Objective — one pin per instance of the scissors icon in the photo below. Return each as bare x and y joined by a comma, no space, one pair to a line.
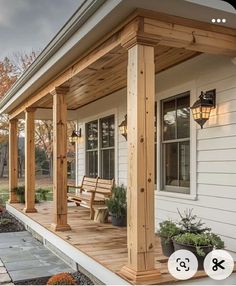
217,264
182,264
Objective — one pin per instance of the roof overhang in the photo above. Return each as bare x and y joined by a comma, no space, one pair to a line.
92,21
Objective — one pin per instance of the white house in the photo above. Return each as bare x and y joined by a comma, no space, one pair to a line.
172,51
209,161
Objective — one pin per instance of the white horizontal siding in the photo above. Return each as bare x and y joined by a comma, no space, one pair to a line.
223,167
216,143
217,155
215,202
214,190
216,132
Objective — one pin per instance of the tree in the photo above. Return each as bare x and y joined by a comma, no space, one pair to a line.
7,76
10,70
44,139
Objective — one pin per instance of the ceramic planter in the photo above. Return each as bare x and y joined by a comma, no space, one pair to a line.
167,246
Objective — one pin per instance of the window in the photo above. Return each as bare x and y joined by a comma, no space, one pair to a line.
175,120
100,148
92,149
107,147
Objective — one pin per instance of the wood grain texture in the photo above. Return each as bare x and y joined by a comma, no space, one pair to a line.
104,243
140,110
29,161
166,30
13,160
60,159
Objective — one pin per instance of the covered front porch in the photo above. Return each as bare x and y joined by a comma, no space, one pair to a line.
145,44
104,243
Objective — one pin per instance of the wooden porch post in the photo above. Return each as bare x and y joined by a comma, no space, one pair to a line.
13,160
60,159
29,161
140,196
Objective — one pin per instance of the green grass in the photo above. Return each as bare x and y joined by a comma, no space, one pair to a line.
45,183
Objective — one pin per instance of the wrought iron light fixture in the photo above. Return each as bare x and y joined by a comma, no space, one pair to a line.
123,127
75,136
201,109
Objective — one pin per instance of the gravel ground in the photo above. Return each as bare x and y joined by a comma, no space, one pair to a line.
9,224
80,278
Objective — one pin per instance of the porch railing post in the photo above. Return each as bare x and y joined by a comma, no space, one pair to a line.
140,191
29,161
60,159
13,160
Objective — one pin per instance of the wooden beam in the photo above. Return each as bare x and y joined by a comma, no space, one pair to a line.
66,75
140,196
29,161
195,39
185,22
60,160
13,160
153,28
107,44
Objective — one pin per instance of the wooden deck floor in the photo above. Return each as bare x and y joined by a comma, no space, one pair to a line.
103,242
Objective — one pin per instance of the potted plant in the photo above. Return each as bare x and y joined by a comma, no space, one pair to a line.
195,237
190,223
199,244
117,206
168,229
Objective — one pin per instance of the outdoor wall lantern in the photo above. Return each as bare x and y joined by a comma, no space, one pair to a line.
123,127
201,109
75,136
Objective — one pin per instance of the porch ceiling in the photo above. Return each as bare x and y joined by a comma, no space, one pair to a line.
108,74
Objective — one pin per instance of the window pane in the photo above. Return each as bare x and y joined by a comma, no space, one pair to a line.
92,135
107,132
171,164
184,164
169,120
92,164
183,117
108,160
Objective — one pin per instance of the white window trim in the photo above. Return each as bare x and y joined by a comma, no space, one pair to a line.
98,116
191,87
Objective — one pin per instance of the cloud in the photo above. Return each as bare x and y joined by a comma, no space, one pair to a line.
31,24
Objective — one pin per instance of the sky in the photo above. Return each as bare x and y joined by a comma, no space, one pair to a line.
31,24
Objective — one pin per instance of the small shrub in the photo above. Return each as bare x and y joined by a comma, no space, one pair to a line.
168,229
62,279
117,204
190,223
199,240
42,193
20,192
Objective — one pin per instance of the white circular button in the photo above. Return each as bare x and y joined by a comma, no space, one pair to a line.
182,264
218,264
